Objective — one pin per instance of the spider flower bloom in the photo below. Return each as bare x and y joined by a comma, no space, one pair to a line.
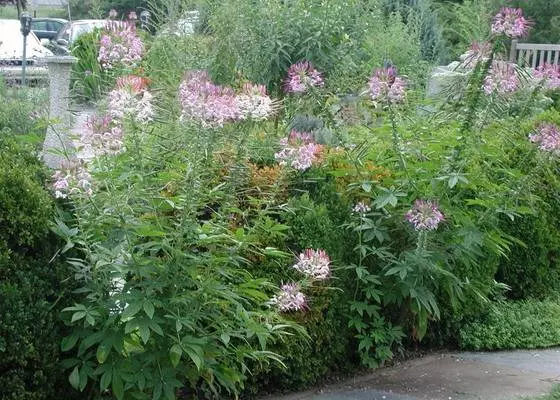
314,263
120,45
254,103
385,85
298,151
125,103
549,74
478,51
102,136
502,78
136,84
361,208
547,136
113,13
132,16
511,23
302,76
424,215
72,179
201,100
290,298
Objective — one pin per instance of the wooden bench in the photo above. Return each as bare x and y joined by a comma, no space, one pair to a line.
533,54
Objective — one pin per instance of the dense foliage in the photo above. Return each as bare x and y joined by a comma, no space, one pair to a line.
33,283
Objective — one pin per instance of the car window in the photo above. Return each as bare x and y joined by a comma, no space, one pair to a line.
39,25
64,33
54,26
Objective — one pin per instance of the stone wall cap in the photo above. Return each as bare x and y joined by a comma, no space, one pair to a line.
60,59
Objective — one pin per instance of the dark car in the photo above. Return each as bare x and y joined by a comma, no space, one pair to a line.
68,34
46,28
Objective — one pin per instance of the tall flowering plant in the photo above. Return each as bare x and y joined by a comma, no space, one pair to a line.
298,151
120,45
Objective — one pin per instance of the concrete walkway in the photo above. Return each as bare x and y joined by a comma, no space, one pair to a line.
452,376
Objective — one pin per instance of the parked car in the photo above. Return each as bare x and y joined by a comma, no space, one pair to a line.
71,31
47,28
11,53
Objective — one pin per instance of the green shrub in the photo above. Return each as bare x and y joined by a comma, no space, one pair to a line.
31,283
88,78
23,110
514,325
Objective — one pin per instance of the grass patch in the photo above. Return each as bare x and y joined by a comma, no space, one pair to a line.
10,12
514,325
554,395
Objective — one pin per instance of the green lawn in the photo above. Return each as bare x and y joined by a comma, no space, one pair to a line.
554,395
10,12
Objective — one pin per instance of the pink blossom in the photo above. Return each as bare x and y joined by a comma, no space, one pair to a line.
302,76
424,215
385,85
314,263
102,136
511,23
478,52
502,78
547,136
113,13
298,151
120,45
549,74
72,179
202,101
126,103
290,298
132,16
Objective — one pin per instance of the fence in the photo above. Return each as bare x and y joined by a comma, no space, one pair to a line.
534,54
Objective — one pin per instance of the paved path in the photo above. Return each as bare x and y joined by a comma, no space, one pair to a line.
452,376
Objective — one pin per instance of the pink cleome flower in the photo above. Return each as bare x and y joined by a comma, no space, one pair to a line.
102,136
302,76
254,103
385,85
547,136
113,13
290,298
120,45
72,179
298,151
510,22
478,51
130,99
502,78
549,74
424,215
314,263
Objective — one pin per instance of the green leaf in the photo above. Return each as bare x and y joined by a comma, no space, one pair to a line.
117,386
131,310
69,342
149,309
78,316
105,380
175,354
195,354
148,231
74,378
103,351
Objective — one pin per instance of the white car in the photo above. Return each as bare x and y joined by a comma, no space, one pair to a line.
11,53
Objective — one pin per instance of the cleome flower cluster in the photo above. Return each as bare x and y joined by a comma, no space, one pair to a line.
424,215
315,265
120,45
213,105
510,23
386,86
302,76
547,137
298,151
72,179
549,74
501,79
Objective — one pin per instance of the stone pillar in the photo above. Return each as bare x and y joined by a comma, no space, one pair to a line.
58,140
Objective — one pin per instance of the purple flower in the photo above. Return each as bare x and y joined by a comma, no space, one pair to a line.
314,263
113,13
361,208
125,102
478,51
72,179
424,215
385,85
302,76
120,45
102,136
132,16
290,298
511,23
547,136
298,151
502,78
549,74
203,101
